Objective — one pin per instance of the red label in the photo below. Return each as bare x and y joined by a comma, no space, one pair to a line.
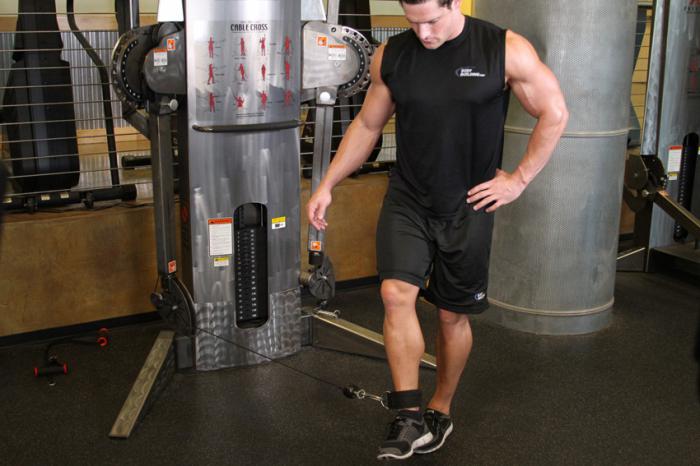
172,267
220,221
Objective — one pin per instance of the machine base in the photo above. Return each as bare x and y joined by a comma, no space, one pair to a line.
683,258
554,323
154,376
328,331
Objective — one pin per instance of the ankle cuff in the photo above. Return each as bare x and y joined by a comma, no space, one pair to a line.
404,399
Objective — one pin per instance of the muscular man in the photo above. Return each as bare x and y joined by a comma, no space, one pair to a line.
448,80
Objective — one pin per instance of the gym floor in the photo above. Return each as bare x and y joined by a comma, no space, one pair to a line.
625,395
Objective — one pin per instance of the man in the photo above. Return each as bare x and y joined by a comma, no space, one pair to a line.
448,79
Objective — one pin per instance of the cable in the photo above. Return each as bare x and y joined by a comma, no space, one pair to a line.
298,371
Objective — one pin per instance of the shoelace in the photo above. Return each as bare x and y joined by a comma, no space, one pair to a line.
432,420
396,427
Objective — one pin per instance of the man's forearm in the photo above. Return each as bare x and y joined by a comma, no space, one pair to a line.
543,140
354,150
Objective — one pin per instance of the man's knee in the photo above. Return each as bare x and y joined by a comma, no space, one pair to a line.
398,295
448,318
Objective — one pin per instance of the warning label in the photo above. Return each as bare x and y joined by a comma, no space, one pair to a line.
160,57
674,162
337,52
221,262
220,236
279,222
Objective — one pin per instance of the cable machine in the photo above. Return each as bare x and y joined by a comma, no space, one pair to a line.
232,76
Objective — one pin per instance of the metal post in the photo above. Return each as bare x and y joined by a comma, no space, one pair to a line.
323,134
655,78
127,12
333,9
163,186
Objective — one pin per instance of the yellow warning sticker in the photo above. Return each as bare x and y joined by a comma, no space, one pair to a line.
221,262
279,222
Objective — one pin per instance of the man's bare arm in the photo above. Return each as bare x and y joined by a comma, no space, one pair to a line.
538,91
357,144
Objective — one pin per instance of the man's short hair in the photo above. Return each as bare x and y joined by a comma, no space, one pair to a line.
441,3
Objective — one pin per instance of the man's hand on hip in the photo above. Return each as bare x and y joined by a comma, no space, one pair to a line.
503,189
316,208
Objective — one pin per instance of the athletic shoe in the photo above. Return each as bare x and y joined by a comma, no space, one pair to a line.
405,434
440,426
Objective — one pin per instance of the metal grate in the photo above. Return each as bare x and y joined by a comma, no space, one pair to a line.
85,138
641,70
89,120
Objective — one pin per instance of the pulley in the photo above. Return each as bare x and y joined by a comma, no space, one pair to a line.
336,56
127,65
175,306
320,280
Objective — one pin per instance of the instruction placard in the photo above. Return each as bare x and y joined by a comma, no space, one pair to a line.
674,162
337,52
220,236
160,57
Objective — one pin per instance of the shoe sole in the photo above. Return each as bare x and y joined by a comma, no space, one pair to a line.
419,442
438,446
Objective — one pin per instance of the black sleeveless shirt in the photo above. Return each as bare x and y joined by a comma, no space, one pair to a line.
451,106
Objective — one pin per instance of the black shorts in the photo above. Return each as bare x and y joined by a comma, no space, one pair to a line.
448,258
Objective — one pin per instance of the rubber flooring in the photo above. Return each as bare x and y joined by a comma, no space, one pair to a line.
626,395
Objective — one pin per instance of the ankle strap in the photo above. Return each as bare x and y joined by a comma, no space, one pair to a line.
404,399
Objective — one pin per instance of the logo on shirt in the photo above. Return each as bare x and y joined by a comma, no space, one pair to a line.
468,72
479,296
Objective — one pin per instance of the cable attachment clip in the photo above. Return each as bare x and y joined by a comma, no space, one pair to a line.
356,393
